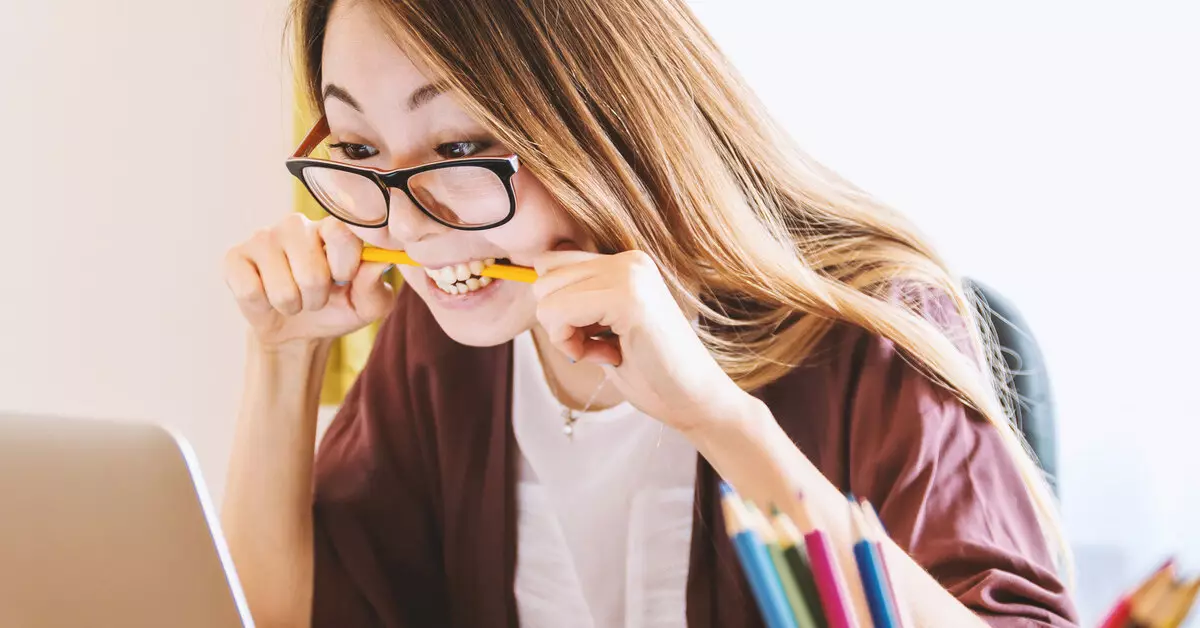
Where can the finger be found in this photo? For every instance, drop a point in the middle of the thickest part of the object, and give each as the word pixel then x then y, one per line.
pixel 572 317
pixel 275 273
pixel 604 351
pixel 306 257
pixel 242 278
pixel 593 343
pixel 370 295
pixel 560 277
pixel 570 346
pixel 586 304
pixel 553 260
pixel 343 249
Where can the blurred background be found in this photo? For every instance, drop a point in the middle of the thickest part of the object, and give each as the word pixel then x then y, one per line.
pixel 1050 149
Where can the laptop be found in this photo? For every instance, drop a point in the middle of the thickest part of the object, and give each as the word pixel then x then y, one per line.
pixel 108 524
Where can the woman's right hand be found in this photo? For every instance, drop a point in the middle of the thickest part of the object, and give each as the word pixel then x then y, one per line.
pixel 284 281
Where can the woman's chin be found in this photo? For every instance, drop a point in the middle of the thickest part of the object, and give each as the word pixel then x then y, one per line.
pixel 478 338
pixel 491 317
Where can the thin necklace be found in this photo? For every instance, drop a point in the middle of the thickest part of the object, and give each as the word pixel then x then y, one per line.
pixel 569 416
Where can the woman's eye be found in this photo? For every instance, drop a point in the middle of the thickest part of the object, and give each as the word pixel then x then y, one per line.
pixel 354 152
pixel 458 150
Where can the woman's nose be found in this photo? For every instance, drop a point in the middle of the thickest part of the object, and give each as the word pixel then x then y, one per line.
pixel 406 222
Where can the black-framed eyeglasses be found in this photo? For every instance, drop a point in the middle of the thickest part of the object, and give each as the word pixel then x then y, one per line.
pixel 470 194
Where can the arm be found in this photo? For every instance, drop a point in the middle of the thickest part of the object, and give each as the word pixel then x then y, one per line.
pixel 966 535
pixel 267 512
pixel 940 476
pixel 299 284
pixel 754 453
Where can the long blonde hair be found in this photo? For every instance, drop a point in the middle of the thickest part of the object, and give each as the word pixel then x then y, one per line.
pixel 633 119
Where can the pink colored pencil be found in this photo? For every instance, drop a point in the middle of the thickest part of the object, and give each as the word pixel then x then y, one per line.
pixel 835 597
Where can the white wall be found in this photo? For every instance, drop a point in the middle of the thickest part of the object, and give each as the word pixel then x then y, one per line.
pixel 141 138
pixel 1051 149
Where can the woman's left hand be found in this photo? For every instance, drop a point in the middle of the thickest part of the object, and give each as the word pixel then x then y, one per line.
pixel 654 356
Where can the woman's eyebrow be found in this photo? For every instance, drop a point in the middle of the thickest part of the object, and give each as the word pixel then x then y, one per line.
pixel 420 96
pixel 424 94
pixel 338 92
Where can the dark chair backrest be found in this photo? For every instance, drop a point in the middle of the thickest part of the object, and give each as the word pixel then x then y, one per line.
pixel 1034 404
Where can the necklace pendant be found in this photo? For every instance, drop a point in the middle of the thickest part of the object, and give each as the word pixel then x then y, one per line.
pixel 569 419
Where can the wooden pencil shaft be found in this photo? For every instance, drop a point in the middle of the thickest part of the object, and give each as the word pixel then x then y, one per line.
pixel 786 530
pixel 1182 607
pixel 736 517
pixel 1147 600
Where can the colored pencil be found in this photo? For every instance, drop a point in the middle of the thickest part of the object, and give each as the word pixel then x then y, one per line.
pixel 1119 616
pixel 870 572
pixel 835 598
pixel 878 534
pixel 1174 613
pixel 791 588
pixel 791 543
pixel 1154 592
pixel 495 271
pixel 756 563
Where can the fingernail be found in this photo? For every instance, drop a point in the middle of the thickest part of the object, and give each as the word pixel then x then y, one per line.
pixel 341 283
pixel 571 359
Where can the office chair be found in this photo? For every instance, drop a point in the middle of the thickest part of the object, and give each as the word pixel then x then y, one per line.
pixel 1034 403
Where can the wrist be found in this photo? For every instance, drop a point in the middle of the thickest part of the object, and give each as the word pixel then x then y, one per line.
pixel 748 449
pixel 295 349
pixel 288 368
pixel 735 413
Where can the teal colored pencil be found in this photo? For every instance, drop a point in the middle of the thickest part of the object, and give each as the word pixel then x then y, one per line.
pixel 791 588
pixel 756 563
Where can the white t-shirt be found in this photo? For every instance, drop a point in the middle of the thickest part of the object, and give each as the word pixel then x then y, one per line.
pixel 604 521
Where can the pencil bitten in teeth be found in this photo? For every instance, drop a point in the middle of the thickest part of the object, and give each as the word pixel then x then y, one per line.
pixel 461 278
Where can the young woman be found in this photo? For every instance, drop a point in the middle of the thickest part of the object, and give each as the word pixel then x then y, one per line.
pixel 710 303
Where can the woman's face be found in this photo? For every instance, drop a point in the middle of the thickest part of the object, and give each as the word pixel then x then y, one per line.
pixel 369 87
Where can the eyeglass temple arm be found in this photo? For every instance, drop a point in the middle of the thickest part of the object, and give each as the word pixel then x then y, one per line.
pixel 314 137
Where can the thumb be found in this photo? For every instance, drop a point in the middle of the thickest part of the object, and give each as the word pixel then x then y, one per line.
pixel 370 295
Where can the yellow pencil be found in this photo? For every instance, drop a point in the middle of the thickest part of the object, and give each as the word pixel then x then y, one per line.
pixel 1149 598
pixel 495 271
pixel 1184 599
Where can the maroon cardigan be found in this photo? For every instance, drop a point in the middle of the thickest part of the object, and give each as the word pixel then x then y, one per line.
pixel 415 515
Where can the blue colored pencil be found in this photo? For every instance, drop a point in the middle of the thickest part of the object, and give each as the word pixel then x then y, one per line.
pixel 877 533
pixel 756 563
pixel 870 571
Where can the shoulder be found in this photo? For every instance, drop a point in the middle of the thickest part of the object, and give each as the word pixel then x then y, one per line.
pixel 856 386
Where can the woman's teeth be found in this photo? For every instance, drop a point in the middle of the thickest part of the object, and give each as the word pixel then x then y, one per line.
pixel 461 278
